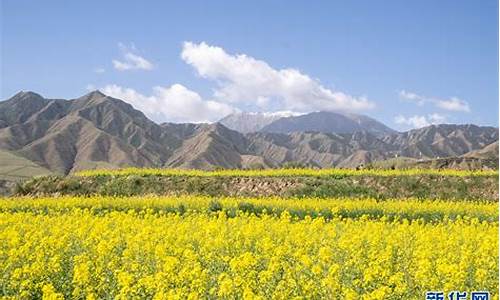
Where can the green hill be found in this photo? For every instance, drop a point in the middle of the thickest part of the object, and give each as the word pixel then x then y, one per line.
pixel 14 167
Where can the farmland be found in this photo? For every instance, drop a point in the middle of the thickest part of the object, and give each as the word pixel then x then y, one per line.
pixel 62 243
pixel 286 172
pixel 327 183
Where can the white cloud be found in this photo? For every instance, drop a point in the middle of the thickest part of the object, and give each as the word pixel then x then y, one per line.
pixel 99 70
pixel 452 104
pixel 419 121
pixel 175 104
pixel 412 96
pixel 243 79
pixel 131 60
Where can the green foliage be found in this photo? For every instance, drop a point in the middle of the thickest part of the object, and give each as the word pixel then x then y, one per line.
pixel 214 206
pixel 379 187
pixel 333 188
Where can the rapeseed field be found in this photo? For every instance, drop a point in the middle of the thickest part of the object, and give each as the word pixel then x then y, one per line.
pixel 191 247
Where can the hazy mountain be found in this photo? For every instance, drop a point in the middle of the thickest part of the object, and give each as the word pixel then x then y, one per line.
pixel 329 122
pixel 442 140
pixel 316 149
pixel 485 158
pixel 97 131
pixel 488 152
pixel 246 122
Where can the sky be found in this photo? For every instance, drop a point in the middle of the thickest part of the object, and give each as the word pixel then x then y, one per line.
pixel 406 63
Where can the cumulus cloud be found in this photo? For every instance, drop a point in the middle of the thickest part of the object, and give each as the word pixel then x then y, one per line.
pixel 452 104
pixel 419 100
pixel 131 60
pixel 175 103
pixel 241 82
pixel 419 121
pixel 243 79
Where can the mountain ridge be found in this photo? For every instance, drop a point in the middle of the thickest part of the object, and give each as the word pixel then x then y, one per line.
pixel 327 121
pixel 288 122
pixel 98 131
pixel 246 122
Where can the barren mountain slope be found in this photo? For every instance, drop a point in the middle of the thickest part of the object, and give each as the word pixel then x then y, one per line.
pixel 97 131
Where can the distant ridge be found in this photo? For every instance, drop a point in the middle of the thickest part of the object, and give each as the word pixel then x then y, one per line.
pixel 98 131
pixel 329 122
pixel 485 158
pixel 246 122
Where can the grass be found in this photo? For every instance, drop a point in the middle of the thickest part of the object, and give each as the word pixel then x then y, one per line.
pixel 379 187
pixel 283 172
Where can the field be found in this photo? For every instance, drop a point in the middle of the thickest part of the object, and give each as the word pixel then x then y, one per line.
pixel 286 172
pixel 62 244
pixel 333 183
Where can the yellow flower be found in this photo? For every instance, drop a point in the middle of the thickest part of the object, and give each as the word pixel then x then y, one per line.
pixel 141 247
pixel 49 293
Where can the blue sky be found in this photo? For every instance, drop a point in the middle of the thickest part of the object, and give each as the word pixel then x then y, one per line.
pixel 405 63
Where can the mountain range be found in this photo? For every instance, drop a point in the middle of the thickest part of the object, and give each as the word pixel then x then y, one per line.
pixel 98 131
pixel 246 122
pixel 288 122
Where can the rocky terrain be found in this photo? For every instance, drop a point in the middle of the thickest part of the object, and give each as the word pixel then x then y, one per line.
pixel 98 131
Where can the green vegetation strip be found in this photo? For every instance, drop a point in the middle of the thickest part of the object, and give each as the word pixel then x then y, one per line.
pixel 394 209
pixel 451 188
pixel 284 172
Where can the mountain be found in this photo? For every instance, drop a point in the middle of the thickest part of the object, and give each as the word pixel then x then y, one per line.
pixel 329 122
pixel 98 131
pixel 488 152
pixel 318 149
pixel 87 132
pixel 246 122
pixel 442 140
pixel 211 145
pixel 484 158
